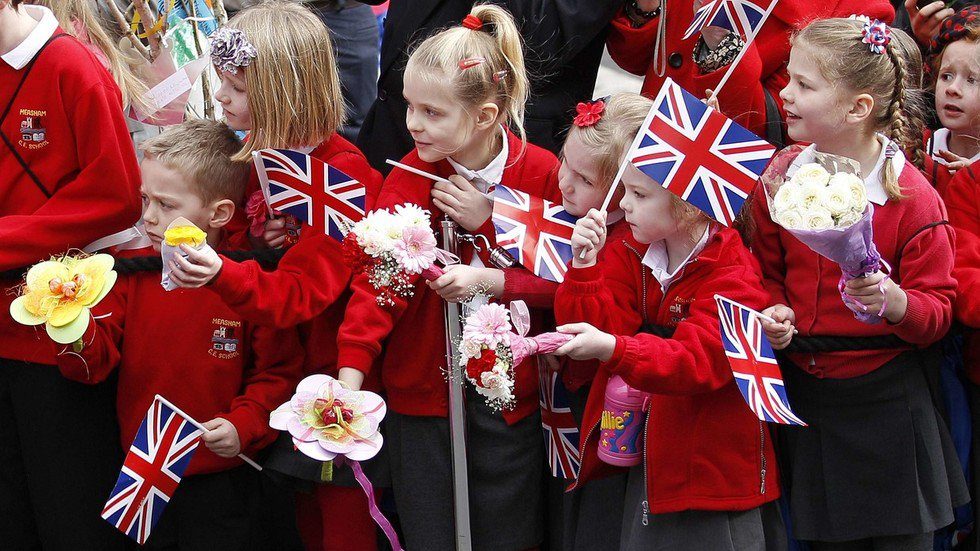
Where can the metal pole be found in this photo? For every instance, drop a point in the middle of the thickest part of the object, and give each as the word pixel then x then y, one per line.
pixel 457 415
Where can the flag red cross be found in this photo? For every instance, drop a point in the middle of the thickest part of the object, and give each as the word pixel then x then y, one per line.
pixel 535 223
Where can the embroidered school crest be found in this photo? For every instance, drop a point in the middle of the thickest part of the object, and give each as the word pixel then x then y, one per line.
pixel 224 339
pixel 33 134
pixel 680 309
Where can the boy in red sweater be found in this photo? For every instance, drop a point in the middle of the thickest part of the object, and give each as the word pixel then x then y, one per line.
pixel 68 175
pixel 191 348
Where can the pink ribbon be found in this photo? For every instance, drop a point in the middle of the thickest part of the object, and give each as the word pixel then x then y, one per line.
pixel 376 513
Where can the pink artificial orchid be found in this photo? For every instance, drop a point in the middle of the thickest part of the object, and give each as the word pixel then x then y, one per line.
pixel 327 419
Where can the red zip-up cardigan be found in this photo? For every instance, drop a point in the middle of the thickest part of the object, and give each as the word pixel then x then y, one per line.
pixel 963 202
pixel 414 365
pixel 704 449
pixel 762 67
pixel 190 348
pixel 311 284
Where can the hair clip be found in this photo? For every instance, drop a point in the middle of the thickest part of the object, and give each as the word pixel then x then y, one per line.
pixel 954 28
pixel 499 75
pixel 588 113
pixel 470 62
pixel 230 50
pixel 472 22
pixel 877 35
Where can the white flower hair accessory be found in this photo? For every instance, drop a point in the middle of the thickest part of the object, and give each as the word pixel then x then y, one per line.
pixel 230 50
pixel 877 35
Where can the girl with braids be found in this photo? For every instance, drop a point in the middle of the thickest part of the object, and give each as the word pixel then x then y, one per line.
pixel 466 88
pixel 871 470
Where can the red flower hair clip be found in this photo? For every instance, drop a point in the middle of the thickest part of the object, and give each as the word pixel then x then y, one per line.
pixel 472 22
pixel 588 113
pixel 877 35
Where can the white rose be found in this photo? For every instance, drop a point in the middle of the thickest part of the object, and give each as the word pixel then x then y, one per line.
pixel 788 197
pixel 836 197
pixel 848 219
pixel 811 173
pixel 811 194
pixel 817 218
pixel 790 219
pixel 468 349
pixel 374 242
pixel 859 195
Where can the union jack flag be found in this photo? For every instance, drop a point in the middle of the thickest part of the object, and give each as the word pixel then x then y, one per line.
pixel 561 434
pixel 163 446
pixel 699 154
pixel 309 189
pixel 537 233
pixel 754 363
pixel 739 16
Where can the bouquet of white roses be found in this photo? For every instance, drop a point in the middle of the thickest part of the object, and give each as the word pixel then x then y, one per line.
pixel 821 200
pixel 393 246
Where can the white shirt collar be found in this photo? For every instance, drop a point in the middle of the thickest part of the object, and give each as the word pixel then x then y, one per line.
pixel 24 52
pixel 873 184
pixel 656 259
pixel 489 176
pixel 940 142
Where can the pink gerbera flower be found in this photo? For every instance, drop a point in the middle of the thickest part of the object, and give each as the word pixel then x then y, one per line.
pixel 416 250
pixel 489 325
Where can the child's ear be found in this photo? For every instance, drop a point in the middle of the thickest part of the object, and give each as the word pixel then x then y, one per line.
pixel 487 115
pixel 222 211
pixel 861 108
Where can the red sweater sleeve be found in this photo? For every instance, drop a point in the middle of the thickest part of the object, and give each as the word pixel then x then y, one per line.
pixel 101 199
pixel 103 338
pixel 963 202
pixel 632 48
pixel 311 275
pixel 603 295
pixel 693 360
pixel 275 369
pixel 521 284
pixel 768 248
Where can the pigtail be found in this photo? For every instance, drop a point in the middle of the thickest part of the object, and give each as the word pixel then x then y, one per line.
pixel 900 131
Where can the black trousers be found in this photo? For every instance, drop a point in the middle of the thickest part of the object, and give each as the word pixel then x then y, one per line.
pixel 59 458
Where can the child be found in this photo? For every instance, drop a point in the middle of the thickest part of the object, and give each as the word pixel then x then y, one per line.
pixel 709 470
pixel 68 176
pixel 870 469
pixel 956 70
pixel 259 48
pixel 164 343
pixel 463 87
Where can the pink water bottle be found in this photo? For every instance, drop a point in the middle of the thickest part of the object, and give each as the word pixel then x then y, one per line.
pixel 621 427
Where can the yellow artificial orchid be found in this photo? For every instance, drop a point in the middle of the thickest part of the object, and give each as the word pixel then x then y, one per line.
pixel 60 292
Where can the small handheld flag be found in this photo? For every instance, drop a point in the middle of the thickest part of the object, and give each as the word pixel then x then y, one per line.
pixel 754 363
pixel 739 16
pixel 309 189
pixel 537 233
pixel 561 434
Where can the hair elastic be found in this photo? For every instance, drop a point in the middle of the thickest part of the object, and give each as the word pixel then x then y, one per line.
pixel 230 50
pixel 472 22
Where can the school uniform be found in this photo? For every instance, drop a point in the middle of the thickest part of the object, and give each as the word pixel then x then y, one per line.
pixel 309 289
pixel 876 460
pixel 706 457
pixel 61 116
pixel 934 166
pixel 505 451
pixel 761 72
pixel 190 348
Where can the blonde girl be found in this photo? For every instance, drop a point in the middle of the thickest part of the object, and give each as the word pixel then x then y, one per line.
pixel 869 471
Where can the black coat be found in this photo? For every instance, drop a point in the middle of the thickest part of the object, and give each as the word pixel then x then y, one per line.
pixel 563 39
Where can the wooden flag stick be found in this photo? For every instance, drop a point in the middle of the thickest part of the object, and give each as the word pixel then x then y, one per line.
pixel 149 23
pixel 126 31
pixel 741 54
pixel 414 170
pixel 200 427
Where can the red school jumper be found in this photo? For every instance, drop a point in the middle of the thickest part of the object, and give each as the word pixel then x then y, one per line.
pixel 415 357
pixel 310 289
pixel 67 124
pixel 762 67
pixel 704 448
pixel 193 350
pixel 963 201
pixel 796 276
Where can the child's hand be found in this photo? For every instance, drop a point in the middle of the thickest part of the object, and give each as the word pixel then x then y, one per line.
pixel 953 161
pixel 588 238
pixel 462 202
pixel 711 100
pixel 588 343
pixel 274 235
pixel 459 281
pixel 780 333
pixel 351 377
pixel 197 270
pixel 868 292
pixel 222 438
pixel 926 21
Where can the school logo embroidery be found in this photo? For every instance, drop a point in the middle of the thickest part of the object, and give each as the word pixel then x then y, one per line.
pixel 33 135
pixel 679 310
pixel 224 342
